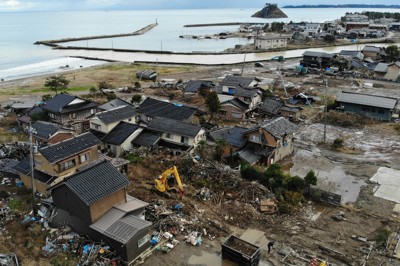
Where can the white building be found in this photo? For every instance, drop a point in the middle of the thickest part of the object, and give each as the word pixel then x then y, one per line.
pixel 271 41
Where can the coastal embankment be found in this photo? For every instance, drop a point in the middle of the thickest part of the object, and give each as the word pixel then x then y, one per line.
pixel 194 58
pixel 222 24
pixel 54 43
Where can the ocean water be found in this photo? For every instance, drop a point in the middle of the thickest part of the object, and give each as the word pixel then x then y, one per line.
pixel 19 57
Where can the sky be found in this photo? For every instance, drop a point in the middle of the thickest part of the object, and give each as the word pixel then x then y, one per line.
pixel 65 5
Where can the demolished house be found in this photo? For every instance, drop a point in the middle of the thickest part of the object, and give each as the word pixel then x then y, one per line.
pixel 147 75
pixel 94 202
pixel 201 87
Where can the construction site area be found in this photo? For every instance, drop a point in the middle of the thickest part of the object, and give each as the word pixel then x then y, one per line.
pixel 350 216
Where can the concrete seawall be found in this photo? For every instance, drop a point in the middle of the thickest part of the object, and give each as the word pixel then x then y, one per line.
pixel 53 43
pixel 222 24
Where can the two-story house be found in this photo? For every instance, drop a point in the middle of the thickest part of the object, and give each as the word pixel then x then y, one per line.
pixel 105 121
pixel 317 59
pixel 275 137
pixel 151 108
pixel 234 137
pixel 173 133
pixel 56 161
pixel 119 139
pixel 69 110
pixel 94 202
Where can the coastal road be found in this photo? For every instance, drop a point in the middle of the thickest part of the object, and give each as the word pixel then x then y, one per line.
pixel 198 59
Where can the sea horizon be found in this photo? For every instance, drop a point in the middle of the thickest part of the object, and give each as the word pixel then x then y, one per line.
pixel 21 58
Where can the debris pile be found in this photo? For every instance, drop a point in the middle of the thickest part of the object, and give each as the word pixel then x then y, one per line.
pixel 17 150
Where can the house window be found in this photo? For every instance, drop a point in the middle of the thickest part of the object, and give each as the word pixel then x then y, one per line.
pixel 51 115
pixel 381 111
pixel 236 115
pixel 92 111
pixel 255 138
pixel 137 119
pixel 96 126
pixel 84 157
pixel 143 240
pixel 247 99
pixel 148 119
pixel 67 165
pixel 168 135
pixel 222 112
pixel 184 140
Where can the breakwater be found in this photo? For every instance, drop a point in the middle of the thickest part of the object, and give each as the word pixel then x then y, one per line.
pixel 54 43
pixel 221 24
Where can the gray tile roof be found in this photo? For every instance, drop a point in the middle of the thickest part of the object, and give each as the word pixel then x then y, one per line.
pixel 271 106
pixel 146 139
pixel 160 124
pixel 238 103
pixel 95 183
pixel 233 135
pixel 249 156
pixel 238 92
pixel 152 108
pixel 278 127
pixel 381 67
pixel 367 100
pixel 131 204
pixel 318 54
pixel 24 167
pixel 237 81
pixel 114 103
pixel 194 85
pixel 59 104
pixel 369 48
pixel 117 114
pixel 123 229
pixel 352 53
pixel 67 148
pixel 120 133
pixel 290 109
pixel 45 130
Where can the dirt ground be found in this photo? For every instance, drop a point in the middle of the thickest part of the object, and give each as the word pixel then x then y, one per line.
pixel 310 231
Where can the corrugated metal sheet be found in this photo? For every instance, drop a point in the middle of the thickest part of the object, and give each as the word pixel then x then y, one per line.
pixel 132 204
pixel 367 100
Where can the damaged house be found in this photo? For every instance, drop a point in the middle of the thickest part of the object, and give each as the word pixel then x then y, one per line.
pixel 70 111
pixel 46 133
pixel 56 161
pixel 268 142
pixel 151 108
pixel 377 107
pixel 317 59
pixel 93 202
pixel 385 71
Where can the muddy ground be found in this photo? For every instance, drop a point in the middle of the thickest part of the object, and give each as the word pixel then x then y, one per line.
pixel 308 232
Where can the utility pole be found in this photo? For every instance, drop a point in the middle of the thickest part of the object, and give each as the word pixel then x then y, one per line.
pixel 32 161
pixel 244 61
pixel 325 107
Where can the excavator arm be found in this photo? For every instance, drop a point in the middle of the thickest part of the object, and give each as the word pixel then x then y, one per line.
pixel 161 182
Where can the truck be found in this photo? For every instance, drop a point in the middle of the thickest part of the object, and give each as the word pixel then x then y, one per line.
pixel 240 251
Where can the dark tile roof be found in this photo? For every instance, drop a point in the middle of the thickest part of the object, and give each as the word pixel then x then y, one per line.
pixel 8 166
pixel 34 110
pixel 381 67
pixel 370 48
pixel 116 114
pixel 152 108
pixel 173 145
pixel 120 133
pixel 318 54
pixel 290 109
pixel 239 104
pixel 24 167
pixel 271 106
pixel 237 81
pixel 233 135
pixel 95 183
pixel 45 130
pixel 278 127
pixel 113 104
pixel 238 92
pixel 121 230
pixel 167 125
pixel 146 139
pixel 62 150
pixel 367 100
pixel 60 104
pixel 194 85
pixel 352 53
pixel 97 134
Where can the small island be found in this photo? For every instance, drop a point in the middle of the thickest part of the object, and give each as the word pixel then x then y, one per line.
pixel 270 11
pixel 343 6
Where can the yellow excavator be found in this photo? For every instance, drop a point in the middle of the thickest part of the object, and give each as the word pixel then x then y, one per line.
pixel 166 181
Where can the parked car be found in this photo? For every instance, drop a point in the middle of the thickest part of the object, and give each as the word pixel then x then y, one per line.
pixel 258 64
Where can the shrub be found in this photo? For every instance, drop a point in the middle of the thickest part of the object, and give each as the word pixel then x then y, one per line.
pixel 250 173
pixel 296 183
pixel 136 98
pixel 16 205
pixel 397 127
pixel 134 158
pixel 382 235
pixel 285 208
pixel 293 197
pixel 337 144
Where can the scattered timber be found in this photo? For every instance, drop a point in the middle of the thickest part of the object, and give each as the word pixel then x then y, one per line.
pixel 53 43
